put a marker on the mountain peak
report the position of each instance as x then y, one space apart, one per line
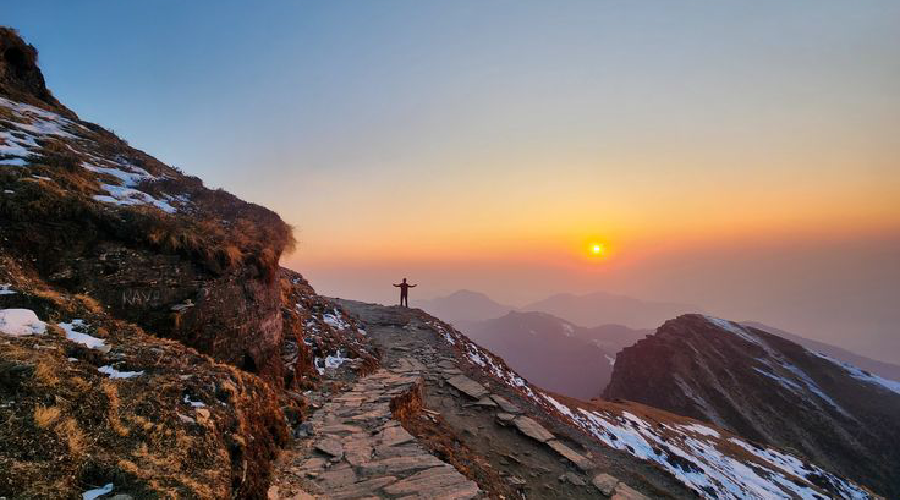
20 76
768 389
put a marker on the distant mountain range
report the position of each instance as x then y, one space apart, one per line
771 390
463 306
599 308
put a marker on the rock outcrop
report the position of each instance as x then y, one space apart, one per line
88 401
92 215
770 390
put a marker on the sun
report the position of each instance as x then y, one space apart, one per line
597 249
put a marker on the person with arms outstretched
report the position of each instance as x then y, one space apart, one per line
404 291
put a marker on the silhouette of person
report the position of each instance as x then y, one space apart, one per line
404 291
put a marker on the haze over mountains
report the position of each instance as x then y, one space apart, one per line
598 308
558 353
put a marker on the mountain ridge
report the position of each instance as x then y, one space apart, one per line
768 389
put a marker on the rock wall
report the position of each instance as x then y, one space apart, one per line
235 318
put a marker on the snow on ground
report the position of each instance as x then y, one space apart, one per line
330 362
6 289
611 359
194 404
701 429
19 143
698 458
335 320
863 375
568 330
697 455
80 337
734 328
113 373
21 322
93 494
812 386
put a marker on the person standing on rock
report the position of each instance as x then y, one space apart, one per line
404 291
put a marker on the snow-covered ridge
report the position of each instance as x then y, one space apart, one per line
20 142
700 458
712 464
871 378
775 367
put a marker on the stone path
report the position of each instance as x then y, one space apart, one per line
358 450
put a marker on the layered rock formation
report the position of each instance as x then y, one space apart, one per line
770 390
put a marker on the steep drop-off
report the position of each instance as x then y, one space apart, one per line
770 390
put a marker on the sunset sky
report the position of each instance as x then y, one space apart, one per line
743 156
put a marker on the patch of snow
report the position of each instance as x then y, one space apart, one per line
863 375
568 330
732 327
194 404
80 337
330 362
125 196
335 320
13 162
93 494
6 289
113 373
701 429
611 359
21 322
812 386
789 384
128 179
8 191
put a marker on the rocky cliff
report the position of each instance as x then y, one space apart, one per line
92 215
770 390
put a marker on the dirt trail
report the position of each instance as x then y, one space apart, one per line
431 425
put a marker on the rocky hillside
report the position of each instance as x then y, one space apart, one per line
547 351
149 339
770 390
511 439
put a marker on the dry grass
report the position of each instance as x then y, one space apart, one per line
45 417
112 397
45 373
72 435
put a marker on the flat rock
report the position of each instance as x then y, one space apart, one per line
532 429
573 456
437 482
505 417
572 478
468 386
330 445
505 405
624 492
357 490
605 483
